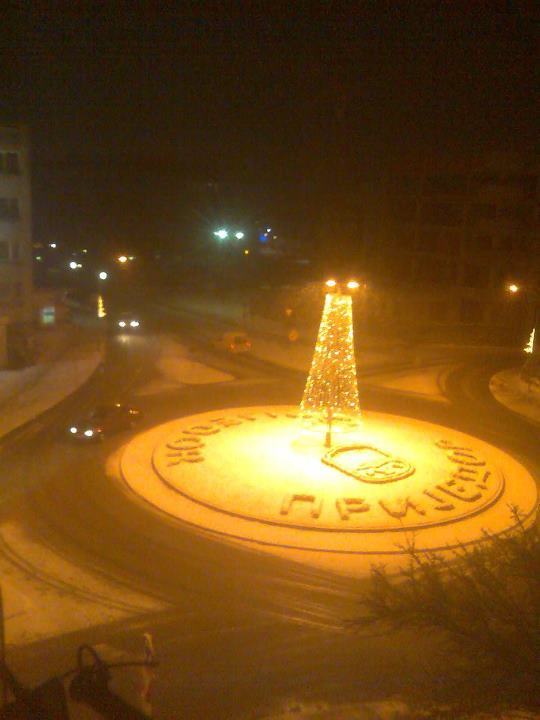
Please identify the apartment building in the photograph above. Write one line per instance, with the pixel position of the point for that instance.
(444, 242)
(15, 247)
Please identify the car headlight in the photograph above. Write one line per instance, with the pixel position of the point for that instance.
(73, 430)
(134, 323)
(122, 323)
(88, 433)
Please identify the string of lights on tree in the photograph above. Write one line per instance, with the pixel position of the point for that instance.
(330, 397)
(529, 348)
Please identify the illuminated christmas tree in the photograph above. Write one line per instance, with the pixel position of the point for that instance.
(330, 398)
(529, 348)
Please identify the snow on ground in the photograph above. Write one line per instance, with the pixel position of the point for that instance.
(175, 369)
(32, 391)
(74, 597)
(298, 356)
(378, 710)
(240, 494)
(510, 390)
(387, 709)
(425, 382)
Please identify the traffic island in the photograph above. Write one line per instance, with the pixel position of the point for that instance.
(258, 476)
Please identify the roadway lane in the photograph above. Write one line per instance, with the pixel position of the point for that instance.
(236, 629)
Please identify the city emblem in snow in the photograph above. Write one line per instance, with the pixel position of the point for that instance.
(368, 464)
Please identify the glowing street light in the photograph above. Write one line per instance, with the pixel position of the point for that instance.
(338, 286)
(74, 265)
(239, 235)
(122, 259)
(513, 288)
(222, 234)
(103, 275)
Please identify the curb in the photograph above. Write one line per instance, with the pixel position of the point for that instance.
(7, 437)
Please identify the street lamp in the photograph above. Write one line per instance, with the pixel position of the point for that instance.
(222, 234)
(103, 275)
(122, 259)
(239, 235)
(513, 288)
(338, 287)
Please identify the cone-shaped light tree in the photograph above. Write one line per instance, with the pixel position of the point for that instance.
(330, 398)
(530, 347)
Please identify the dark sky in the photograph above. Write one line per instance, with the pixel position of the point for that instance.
(128, 99)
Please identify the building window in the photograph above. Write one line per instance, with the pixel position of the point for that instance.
(9, 209)
(4, 250)
(11, 163)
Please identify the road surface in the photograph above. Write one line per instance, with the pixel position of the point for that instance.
(236, 631)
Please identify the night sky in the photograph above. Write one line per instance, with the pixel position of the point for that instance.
(283, 104)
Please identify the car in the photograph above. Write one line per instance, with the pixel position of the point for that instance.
(103, 420)
(127, 322)
(233, 342)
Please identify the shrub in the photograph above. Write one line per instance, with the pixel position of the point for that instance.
(485, 601)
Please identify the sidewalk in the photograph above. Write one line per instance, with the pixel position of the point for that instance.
(508, 388)
(269, 337)
(392, 365)
(67, 357)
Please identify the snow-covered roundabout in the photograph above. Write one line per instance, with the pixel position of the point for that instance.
(255, 475)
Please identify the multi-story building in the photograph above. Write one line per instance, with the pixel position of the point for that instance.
(15, 247)
(444, 243)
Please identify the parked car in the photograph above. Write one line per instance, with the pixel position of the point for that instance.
(233, 342)
(104, 420)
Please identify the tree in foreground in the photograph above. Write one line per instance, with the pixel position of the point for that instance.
(486, 604)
